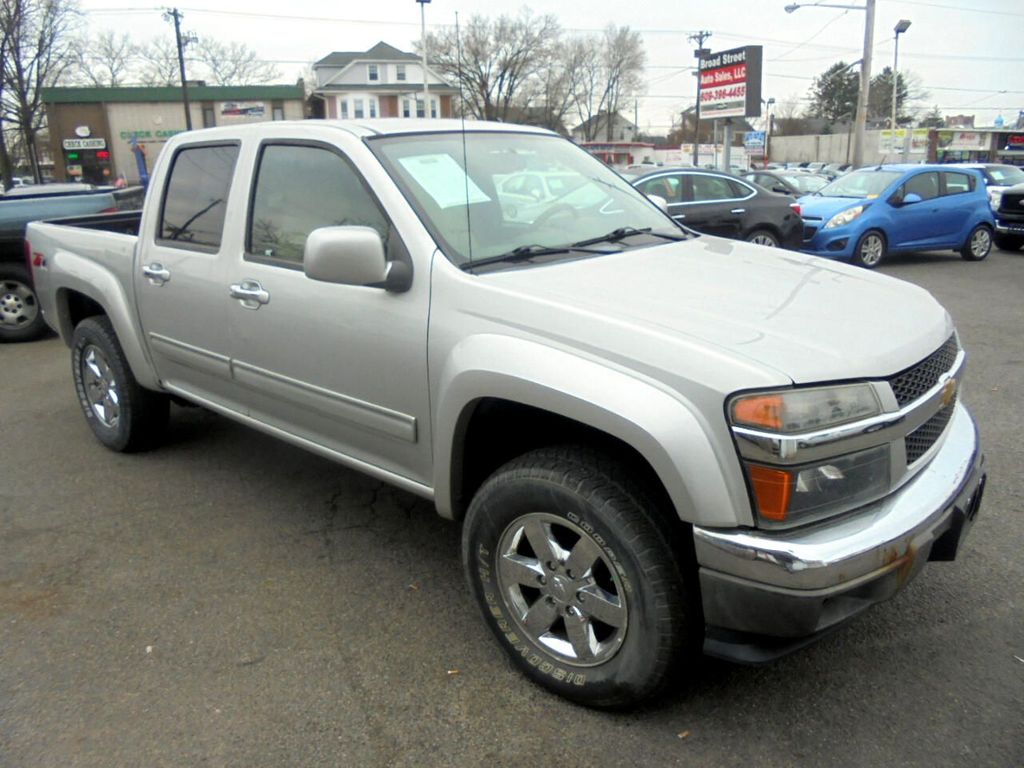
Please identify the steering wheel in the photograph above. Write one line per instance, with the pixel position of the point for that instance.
(555, 210)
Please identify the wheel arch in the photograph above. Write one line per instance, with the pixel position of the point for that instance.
(555, 398)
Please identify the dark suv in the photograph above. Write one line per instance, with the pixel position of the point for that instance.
(1009, 233)
(717, 203)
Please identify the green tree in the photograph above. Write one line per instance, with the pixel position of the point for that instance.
(834, 93)
(933, 119)
(880, 98)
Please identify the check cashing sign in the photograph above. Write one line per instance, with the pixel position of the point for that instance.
(730, 83)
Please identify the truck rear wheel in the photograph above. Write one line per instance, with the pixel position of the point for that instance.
(20, 317)
(576, 577)
(123, 416)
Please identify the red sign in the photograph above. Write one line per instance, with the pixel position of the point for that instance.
(1015, 140)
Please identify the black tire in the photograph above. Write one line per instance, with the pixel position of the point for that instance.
(764, 237)
(123, 416)
(20, 316)
(1008, 242)
(573, 492)
(978, 244)
(870, 250)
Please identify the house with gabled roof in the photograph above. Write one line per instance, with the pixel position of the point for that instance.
(380, 82)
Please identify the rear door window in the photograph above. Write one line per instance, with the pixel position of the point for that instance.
(957, 183)
(196, 196)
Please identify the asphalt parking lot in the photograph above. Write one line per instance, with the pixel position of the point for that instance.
(228, 600)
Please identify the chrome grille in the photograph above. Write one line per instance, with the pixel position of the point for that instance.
(914, 382)
(921, 439)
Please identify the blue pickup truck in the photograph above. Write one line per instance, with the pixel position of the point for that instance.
(20, 319)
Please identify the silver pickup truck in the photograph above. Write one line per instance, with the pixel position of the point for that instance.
(656, 442)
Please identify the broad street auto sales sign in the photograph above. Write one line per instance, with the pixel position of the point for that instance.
(730, 83)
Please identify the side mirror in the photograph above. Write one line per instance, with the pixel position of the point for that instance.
(352, 256)
(659, 201)
(781, 190)
(912, 197)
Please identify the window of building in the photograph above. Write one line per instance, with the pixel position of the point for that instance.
(196, 195)
(277, 110)
(343, 103)
(406, 108)
(400, 72)
(299, 189)
(433, 107)
(209, 120)
(373, 107)
(374, 74)
(420, 108)
(357, 108)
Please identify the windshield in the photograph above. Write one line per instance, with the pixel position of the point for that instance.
(1006, 175)
(805, 182)
(866, 183)
(522, 190)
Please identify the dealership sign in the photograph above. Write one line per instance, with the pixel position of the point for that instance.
(730, 83)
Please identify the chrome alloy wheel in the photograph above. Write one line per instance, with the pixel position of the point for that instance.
(871, 250)
(764, 239)
(100, 386)
(981, 243)
(18, 307)
(561, 589)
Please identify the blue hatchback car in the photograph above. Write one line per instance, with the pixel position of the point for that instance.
(865, 215)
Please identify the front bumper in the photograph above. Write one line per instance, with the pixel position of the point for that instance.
(836, 243)
(767, 593)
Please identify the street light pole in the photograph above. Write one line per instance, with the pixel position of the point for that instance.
(423, 46)
(861, 115)
(700, 53)
(902, 26)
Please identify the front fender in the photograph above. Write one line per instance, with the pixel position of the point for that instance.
(704, 483)
(71, 272)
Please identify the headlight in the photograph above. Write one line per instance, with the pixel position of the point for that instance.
(844, 218)
(793, 494)
(796, 494)
(995, 198)
(805, 410)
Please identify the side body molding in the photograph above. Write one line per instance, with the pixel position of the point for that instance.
(85, 276)
(654, 420)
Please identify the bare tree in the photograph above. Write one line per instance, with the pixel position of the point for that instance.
(159, 62)
(234, 64)
(102, 61)
(499, 58)
(37, 36)
(606, 72)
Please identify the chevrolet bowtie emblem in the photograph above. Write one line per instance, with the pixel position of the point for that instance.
(949, 393)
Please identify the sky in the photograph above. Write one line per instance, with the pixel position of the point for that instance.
(966, 54)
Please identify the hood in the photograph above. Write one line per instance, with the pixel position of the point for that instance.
(824, 208)
(807, 318)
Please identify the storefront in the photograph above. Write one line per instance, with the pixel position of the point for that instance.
(100, 134)
(968, 146)
(1010, 147)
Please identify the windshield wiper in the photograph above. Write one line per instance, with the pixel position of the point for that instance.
(522, 253)
(622, 232)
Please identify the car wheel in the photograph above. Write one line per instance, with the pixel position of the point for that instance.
(978, 245)
(20, 316)
(763, 237)
(870, 250)
(123, 416)
(1008, 242)
(575, 576)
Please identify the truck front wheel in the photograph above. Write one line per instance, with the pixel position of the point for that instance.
(123, 416)
(575, 574)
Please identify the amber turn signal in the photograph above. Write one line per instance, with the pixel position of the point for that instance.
(759, 411)
(773, 489)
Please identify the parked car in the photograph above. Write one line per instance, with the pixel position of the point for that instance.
(998, 177)
(787, 182)
(867, 214)
(651, 440)
(20, 319)
(717, 203)
(1010, 219)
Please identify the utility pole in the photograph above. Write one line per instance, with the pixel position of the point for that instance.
(176, 15)
(700, 53)
(860, 124)
(423, 45)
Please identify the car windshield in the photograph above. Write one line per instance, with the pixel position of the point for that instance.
(806, 182)
(521, 191)
(864, 183)
(1006, 175)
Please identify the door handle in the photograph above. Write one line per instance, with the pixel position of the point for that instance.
(679, 216)
(156, 273)
(738, 210)
(250, 293)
